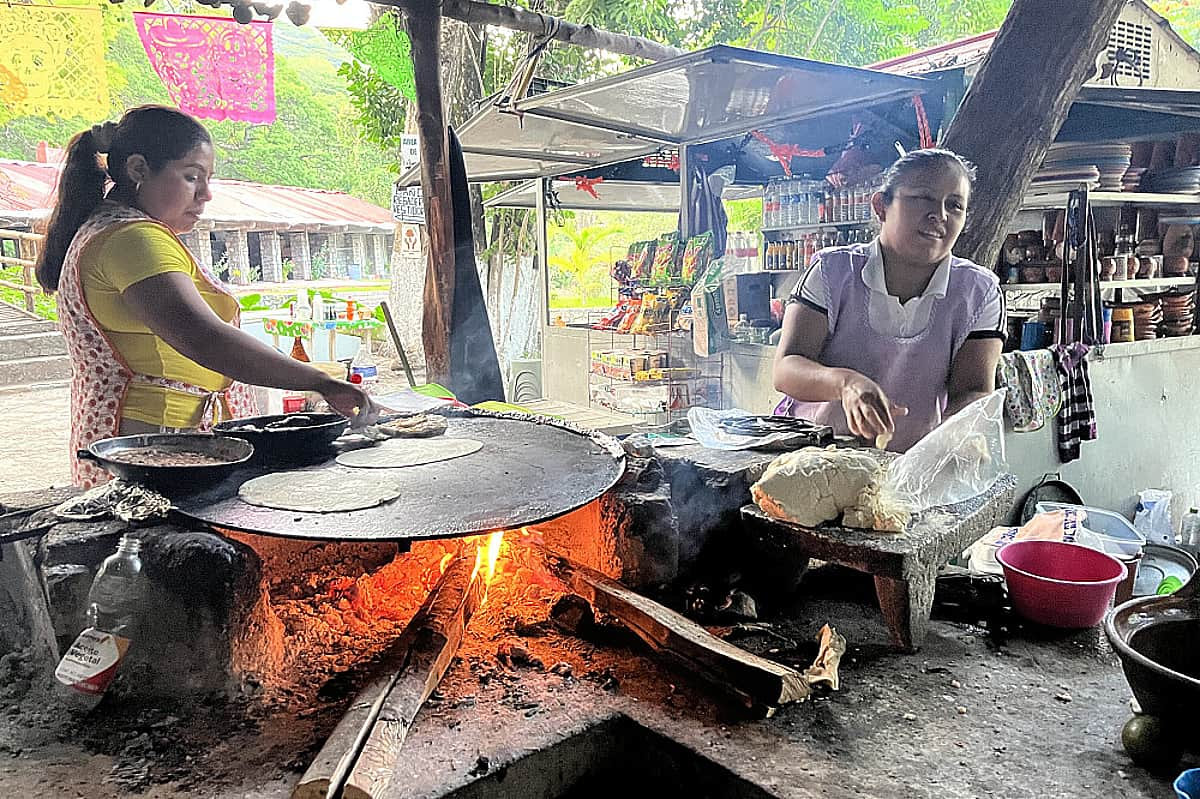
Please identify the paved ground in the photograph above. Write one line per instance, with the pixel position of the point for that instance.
(35, 424)
(35, 427)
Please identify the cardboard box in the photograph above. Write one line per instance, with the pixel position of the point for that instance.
(748, 294)
(710, 322)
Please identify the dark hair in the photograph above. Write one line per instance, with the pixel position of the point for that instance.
(158, 133)
(922, 161)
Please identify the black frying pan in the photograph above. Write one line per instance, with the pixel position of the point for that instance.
(232, 452)
(294, 439)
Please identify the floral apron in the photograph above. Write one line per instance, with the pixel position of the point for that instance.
(100, 377)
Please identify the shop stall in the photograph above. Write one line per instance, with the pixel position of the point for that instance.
(644, 140)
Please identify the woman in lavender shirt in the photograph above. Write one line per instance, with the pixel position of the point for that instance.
(884, 340)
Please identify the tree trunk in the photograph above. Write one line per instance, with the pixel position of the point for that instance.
(424, 26)
(1016, 104)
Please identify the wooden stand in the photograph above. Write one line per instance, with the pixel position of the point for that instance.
(904, 566)
(358, 759)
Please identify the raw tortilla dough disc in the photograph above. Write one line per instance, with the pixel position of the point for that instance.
(398, 452)
(326, 491)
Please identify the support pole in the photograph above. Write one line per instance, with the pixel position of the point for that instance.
(543, 253)
(424, 30)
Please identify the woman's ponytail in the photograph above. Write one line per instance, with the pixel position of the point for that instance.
(80, 190)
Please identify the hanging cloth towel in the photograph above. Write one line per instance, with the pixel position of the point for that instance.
(1077, 417)
(1034, 388)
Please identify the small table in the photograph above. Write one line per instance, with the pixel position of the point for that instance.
(904, 565)
(307, 329)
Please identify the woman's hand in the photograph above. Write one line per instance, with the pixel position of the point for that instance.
(350, 401)
(869, 412)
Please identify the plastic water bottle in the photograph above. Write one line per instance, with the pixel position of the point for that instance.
(114, 602)
(114, 605)
(1189, 530)
(364, 366)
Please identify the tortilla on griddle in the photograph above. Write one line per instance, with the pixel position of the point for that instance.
(422, 425)
(325, 491)
(397, 453)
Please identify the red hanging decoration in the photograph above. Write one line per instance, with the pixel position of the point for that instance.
(922, 123)
(588, 185)
(784, 153)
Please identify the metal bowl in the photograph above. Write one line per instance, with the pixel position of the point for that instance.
(232, 452)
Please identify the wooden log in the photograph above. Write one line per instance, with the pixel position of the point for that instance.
(1016, 104)
(360, 755)
(424, 30)
(761, 684)
(521, 19)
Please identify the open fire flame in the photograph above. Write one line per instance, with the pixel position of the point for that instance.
(486, 556)
(395, 590)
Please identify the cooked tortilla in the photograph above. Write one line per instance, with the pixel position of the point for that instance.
(421, 426)
(400, 452)
(325, 491)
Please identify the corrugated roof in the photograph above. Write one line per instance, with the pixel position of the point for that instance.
(27, 191)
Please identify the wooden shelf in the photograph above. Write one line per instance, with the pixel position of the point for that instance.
(1103, 198)
(1148, 283)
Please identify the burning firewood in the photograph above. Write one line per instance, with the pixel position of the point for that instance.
(760, 684)
(358, 759)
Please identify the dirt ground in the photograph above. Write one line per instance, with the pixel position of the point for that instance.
(989, 707)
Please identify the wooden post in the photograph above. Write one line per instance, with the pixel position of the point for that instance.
(1016, 104)
(424, 30)
(28, 249)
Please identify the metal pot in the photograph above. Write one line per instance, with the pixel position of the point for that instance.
(233, 452)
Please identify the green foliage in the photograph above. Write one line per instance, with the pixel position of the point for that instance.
(1184, 16)
(44, 305)
(315, 141)
(578, 264)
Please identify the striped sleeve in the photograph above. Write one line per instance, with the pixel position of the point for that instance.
(810, 291)
(992, 319)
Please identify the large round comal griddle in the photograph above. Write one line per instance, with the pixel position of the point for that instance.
(529, 470)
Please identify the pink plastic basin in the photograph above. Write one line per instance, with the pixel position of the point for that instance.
(1062, 585)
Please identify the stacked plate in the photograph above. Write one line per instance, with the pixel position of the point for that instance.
(1185, 180)
(1132, 181)
(1178, 314)
(1102, 166)
(1146, 319)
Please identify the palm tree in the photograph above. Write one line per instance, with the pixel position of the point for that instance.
(584, 265)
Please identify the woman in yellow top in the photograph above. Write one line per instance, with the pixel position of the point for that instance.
(154, 338)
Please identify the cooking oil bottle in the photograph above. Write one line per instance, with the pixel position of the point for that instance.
(113, 607)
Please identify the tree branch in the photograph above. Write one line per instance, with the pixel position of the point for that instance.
(520, 19)
(821, 28)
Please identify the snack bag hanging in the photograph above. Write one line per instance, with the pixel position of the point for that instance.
(696, 257)
(641, 259)
(665, 255)
(631, 315)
